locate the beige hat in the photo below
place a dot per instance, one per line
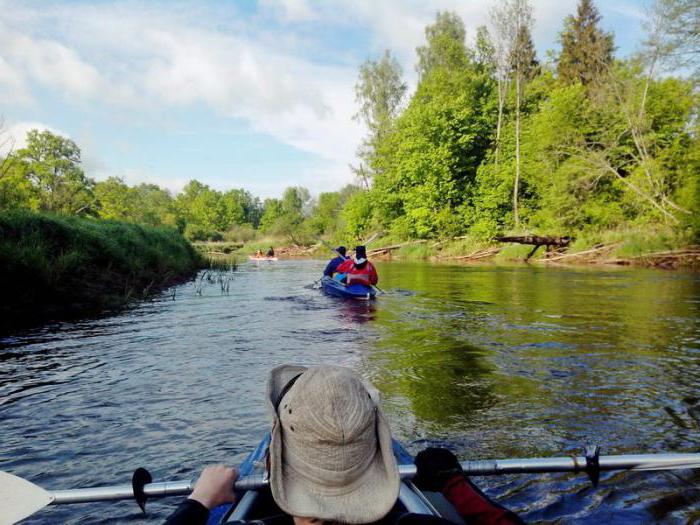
(331, 454)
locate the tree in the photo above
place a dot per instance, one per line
(7, 146)
(515, 20)
(485, 51)
(445, 46)
(115, 199)
(155, 206)
(52, 164)
(586, 50)
(430, 161)
(674, 33)
(272, 211)
(378, 91)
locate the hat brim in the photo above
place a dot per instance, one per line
(368, 499)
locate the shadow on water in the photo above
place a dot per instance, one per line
(489, 361)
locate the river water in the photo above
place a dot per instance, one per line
(490, 361)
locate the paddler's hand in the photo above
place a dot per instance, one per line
(435, 466)
(215, 486)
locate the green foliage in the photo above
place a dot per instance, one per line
(50, 164)
(429, 163)
(445, 45)
(58, 265)
(358, 214)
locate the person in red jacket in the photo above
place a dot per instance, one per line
(359, 271)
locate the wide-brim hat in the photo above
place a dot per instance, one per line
(330, 454)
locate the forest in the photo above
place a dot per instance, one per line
(494, 140)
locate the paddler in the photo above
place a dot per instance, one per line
(332, 266)
(270, 252)
(317, 413)
(359, 270)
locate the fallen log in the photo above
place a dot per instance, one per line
(537, 240)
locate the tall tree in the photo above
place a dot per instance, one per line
(515, 22)
(445, 45)
(674, 34)
(500, 20)
(378, 91)
(52, 164)
(586, 50)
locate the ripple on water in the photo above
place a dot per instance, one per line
(488, 361)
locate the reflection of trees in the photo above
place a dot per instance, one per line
(444, 378)
(558, 356)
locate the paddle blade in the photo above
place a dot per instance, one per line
(20, 498)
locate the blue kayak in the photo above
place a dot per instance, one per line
(354, 291)
(258, 504)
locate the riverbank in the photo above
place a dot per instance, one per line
(59, 266)
(644, 248)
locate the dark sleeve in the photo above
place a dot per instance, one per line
(330, 267)
(475, 506)
(189, 512)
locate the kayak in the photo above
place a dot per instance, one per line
(253, 258)
(354, 291)
(258, 504)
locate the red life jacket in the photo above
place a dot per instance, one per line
(366, 275)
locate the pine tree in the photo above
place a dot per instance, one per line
(586, 49)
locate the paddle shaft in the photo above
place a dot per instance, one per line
(471, 468)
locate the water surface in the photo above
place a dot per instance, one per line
(489, 361)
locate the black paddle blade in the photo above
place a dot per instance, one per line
(139, 480)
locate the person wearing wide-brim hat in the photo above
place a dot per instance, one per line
(330, 455)
(331, 459)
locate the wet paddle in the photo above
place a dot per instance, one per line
(20, 498)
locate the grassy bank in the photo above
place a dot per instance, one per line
(58, 266)
(643, 247)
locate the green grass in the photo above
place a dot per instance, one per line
(632, 242)
(58, 266)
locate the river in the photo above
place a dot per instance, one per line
(490, 361)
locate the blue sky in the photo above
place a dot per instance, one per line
(251, 94)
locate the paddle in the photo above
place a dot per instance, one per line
(20, 498)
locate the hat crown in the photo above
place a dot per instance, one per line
(328, 421)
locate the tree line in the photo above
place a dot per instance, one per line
(493, 139)
(46, 175)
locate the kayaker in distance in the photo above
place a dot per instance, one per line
(315, 411)
(270, 252)
(259, 253)
(333, 264)
(359, 270)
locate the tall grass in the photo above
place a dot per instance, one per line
(54, 266)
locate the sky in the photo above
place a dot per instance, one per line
(236, 94)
